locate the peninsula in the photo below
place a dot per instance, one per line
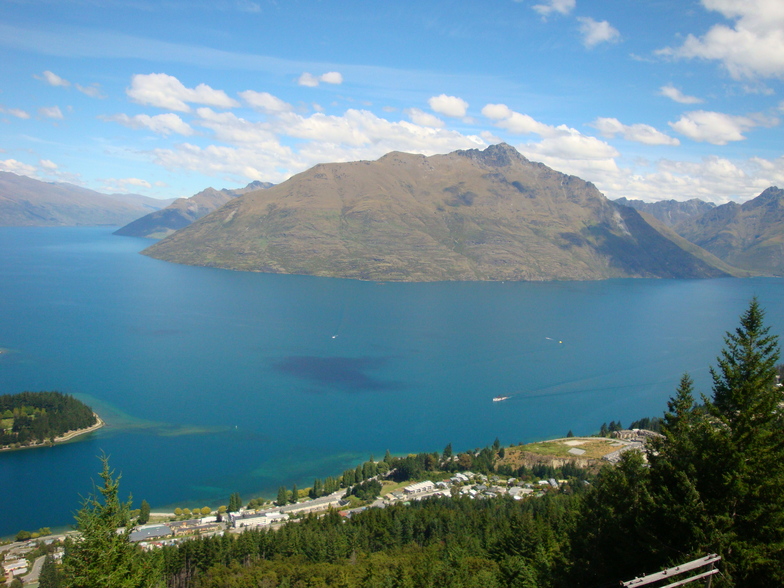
(38, 419)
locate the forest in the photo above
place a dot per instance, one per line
(37, 417)
(713, 483)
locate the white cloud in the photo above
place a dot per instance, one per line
(93, 90)
(331, 77)
(255, 151)
(559, 6)
(419, 117)
(165, 91)
(595, 32)
(675, 94)
(163, 124)
(716, 127)
(17, 112)
(53, 79)
(48, 165)
(229, 128)
(562, 148)
(125, 184)
(17, 167)
(639, 133)
(753, 47)
(515, 122)
(308, 79)
(448, 105)
(265, 102)
(51, 112)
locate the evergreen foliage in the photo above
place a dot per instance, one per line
(103, 555)
(35, 417)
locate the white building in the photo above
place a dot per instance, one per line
(419, 487)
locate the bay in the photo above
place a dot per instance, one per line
(213, 382)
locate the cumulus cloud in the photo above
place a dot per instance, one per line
(596, 32)
(265, 102)
(163, 124)
(675, 94)
(448, 105)
(718, 128)
(752, 47)
(165, 91)
(17, 112)
(419, 117)
(48, 165)
(53, 79)
(255, 150)
(51, 112)
(561, 147)
(331, 77)
(551, 6)
(639, 133)
(17, 167)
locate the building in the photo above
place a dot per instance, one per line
(420, 487)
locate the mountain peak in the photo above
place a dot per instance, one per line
(500, 155)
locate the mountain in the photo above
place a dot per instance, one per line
(748, 236)
(468, 215)
(28, 202)
(184, 211)
(670, 212)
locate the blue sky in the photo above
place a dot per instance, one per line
(652, 99)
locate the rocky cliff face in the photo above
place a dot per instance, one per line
(468, 215)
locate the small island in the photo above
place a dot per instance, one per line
(37, 419)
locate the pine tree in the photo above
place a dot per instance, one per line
(283, 496)
(718, 475)
(103, 555)
(294, 494)
(49, 577)
(144, 513)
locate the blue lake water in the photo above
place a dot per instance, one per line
(215, 382)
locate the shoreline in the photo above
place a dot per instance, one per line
(68, 436)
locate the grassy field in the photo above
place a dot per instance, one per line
(594, 447)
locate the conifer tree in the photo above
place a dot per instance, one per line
(144, 513)
(103, 555)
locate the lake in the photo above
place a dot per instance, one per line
(213, 381)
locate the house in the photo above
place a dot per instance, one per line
(14, 567)
(419, 487)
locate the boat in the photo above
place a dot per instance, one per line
(500, 398)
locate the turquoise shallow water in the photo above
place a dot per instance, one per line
(215, 381)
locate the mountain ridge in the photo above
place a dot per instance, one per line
(467, 215)
(25, 201)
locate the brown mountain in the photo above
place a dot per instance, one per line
(28, 202)
(670, 212)
(183, 211)
(468, 215)
(748, 236)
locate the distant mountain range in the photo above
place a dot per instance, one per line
(183, 211)
(670, 212)
(468, 215)
(28, 202)
(748, 235)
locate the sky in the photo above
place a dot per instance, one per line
(650, 100)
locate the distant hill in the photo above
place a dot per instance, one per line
(28, 202)
(670, 212)
(748, 236)
(468, 215)
(183, 211)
